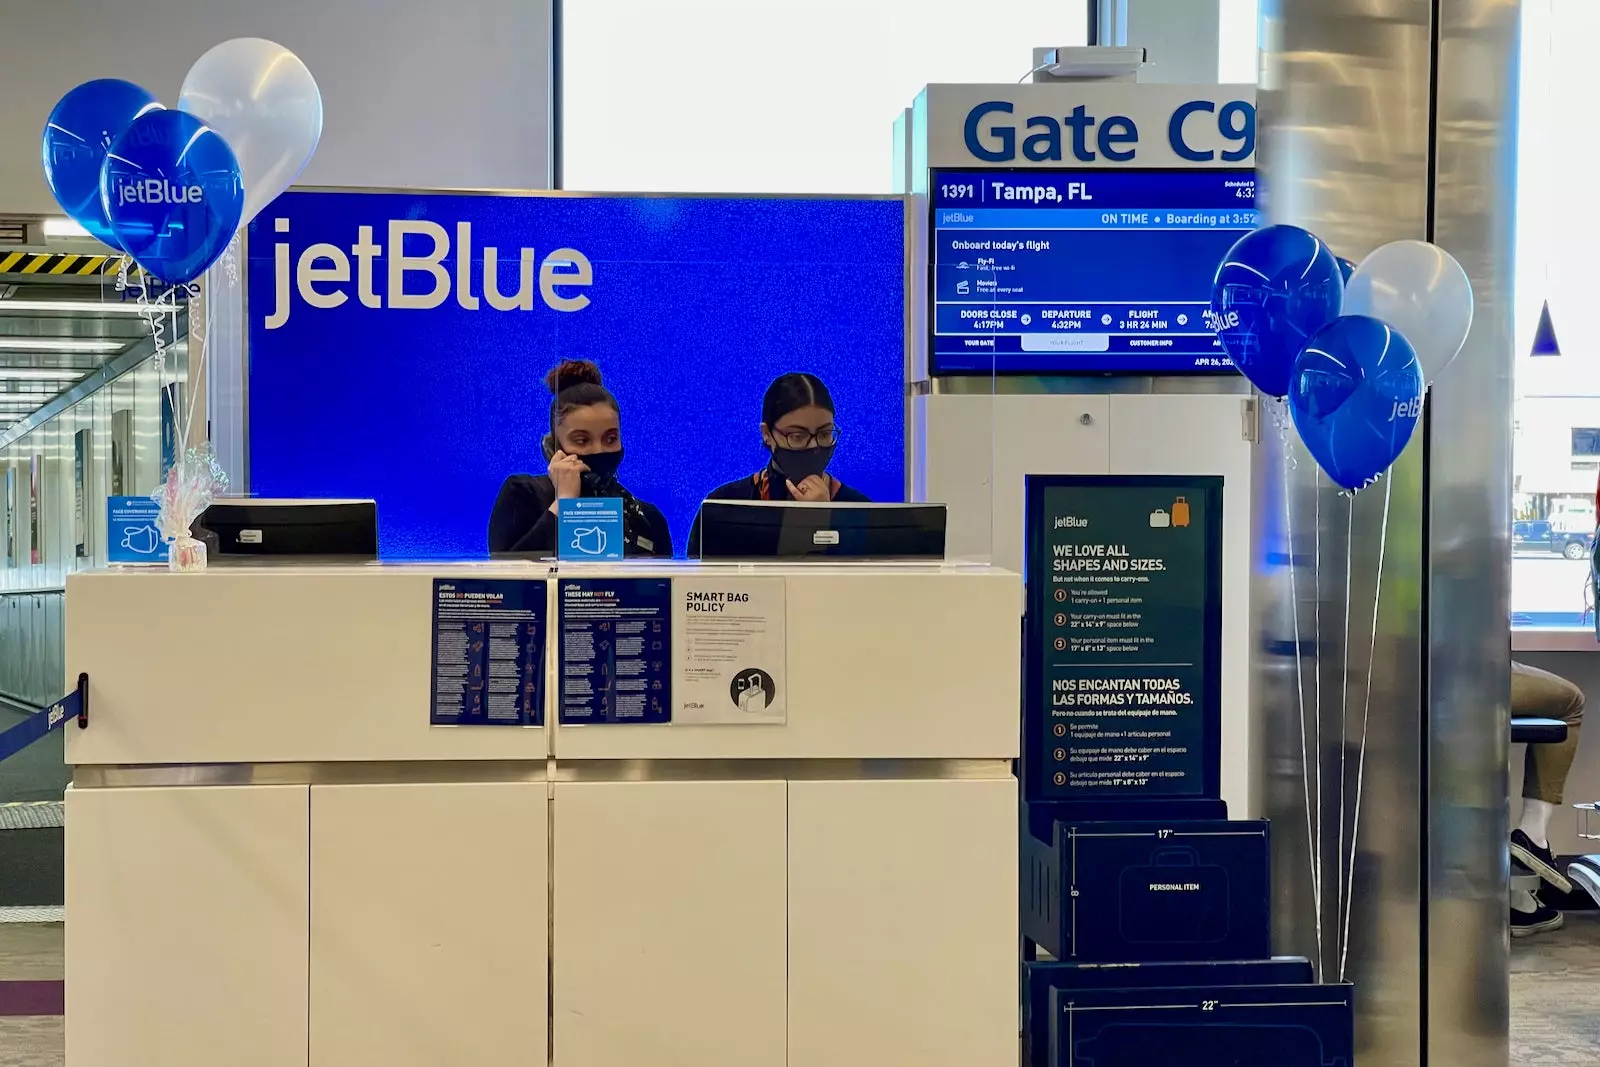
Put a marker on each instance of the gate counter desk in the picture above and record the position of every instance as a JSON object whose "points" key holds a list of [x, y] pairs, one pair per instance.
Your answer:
{"points": [[277, 857]]}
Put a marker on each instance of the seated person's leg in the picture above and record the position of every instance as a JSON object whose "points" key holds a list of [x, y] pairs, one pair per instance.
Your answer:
{"points": [[1535, 692]]}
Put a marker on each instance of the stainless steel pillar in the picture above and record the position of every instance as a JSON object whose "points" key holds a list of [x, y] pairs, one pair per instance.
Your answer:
{"points": [[1380, 121]]}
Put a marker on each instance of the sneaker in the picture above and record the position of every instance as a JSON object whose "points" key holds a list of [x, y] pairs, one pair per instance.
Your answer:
{"points": [[1538, 860], [1537, 921]]}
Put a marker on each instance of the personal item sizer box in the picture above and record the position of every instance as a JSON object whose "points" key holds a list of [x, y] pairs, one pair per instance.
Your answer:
{"points": [[1043, 978], [1203, 1026], [1141, 892]]}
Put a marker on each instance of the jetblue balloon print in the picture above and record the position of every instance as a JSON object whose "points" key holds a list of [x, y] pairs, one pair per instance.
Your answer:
{"points": [[1275, 288], [1355, 397], [172, 192], [80, 129]]}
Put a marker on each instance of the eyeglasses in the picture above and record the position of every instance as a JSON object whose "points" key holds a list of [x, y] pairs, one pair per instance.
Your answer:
{"points": [[796, 440]]}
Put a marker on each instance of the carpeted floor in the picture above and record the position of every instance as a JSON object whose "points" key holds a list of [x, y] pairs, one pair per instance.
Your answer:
{"points": [[1555, 995]]}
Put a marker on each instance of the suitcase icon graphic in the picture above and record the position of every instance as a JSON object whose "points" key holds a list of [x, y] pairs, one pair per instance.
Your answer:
{"points": [[1159, 519], [1180, 512], [1175, 899]]}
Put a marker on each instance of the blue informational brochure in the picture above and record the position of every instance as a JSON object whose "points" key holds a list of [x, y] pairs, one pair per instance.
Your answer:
{"points": [[488, 652], [616, 651]]}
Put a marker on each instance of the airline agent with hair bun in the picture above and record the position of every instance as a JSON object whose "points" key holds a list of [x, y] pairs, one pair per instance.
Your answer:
{"points": [[583, 451]]}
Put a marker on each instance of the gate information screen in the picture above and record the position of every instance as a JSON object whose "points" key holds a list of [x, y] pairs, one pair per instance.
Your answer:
{"points": [[1081, 272]]}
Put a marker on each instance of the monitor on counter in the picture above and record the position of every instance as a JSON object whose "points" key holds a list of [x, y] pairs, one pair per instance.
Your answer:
{"points": [[745, 529], [253, 527], [1046, 272]]}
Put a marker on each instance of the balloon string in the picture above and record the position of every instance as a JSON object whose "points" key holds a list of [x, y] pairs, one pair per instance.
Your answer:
{"points": [[1299, 679], [199, 341], [1316, 675], [1344, 702], [1366, 706]]}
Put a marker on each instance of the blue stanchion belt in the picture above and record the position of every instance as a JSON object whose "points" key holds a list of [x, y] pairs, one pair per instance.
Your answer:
{"points": [[75, 705]]}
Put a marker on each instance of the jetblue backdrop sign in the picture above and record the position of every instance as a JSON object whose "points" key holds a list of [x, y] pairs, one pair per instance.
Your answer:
{"points": [[1091, 125], [399, 343]]}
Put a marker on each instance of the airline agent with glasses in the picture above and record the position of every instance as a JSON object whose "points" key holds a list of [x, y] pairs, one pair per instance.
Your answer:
{"points": [[798, 431]]}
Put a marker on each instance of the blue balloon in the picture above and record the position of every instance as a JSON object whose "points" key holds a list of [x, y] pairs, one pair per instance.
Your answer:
{"points": [[1355, 397], [79, 131], [1346, 268], [1275, 288], [172, 191]]}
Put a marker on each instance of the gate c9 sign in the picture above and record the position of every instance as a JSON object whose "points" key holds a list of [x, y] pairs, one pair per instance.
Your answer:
{"points": [[991, 133], [1110, 124]]}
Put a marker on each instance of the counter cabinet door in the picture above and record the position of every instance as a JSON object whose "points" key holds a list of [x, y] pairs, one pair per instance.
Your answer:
{"points": [[670, 926], [187, 945], [903, 923], [429, 928]]}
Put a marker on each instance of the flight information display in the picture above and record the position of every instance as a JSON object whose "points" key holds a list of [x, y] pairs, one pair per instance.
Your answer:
{"points": [[1081, 272]]}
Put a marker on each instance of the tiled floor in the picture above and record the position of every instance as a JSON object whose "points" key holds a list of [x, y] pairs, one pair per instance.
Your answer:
{"points": [[1555, 995], [31, 952]]}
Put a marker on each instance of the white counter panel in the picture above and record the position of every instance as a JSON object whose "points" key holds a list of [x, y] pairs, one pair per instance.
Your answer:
{"points": [[187, 945], [977, 448], [429, 924], [670, 932], [902, 923], [882, 663], [266, 665]]}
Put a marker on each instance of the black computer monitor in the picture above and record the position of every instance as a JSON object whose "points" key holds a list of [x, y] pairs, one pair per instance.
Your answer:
{"points": [[750, 529], [246, 526]]}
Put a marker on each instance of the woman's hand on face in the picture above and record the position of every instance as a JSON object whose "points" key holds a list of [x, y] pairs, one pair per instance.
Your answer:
{"points": [[566, 474], [814, 489]]}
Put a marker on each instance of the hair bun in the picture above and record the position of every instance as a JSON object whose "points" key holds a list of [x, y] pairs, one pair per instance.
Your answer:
{"points": [[571, 372]]}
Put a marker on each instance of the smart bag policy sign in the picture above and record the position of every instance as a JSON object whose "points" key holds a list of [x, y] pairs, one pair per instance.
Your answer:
{"points": [[399, 342]]}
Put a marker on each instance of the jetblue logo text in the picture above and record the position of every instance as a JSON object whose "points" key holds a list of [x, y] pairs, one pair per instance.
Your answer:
{"points": [[157, 191], [416, 275], [992, 135], [1216, 323], [1411, 409]]}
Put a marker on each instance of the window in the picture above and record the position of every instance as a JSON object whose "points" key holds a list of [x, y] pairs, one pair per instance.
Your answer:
{"points": [[1556, 435], [773, 96], [1238, 23]]}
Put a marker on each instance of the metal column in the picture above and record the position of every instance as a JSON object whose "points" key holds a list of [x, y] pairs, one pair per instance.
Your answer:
{"points": [[1382, 122]]}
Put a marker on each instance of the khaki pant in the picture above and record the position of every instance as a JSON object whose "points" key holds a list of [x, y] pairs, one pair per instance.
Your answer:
{"points": [[1549, 696]]}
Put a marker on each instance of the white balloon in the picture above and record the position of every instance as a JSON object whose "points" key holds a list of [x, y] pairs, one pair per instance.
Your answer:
{"points": [[1420, 290], [265, 104]]}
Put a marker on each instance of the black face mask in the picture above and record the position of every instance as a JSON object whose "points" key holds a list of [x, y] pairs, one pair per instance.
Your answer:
{"points": [[798, 464], [602, 471]]}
